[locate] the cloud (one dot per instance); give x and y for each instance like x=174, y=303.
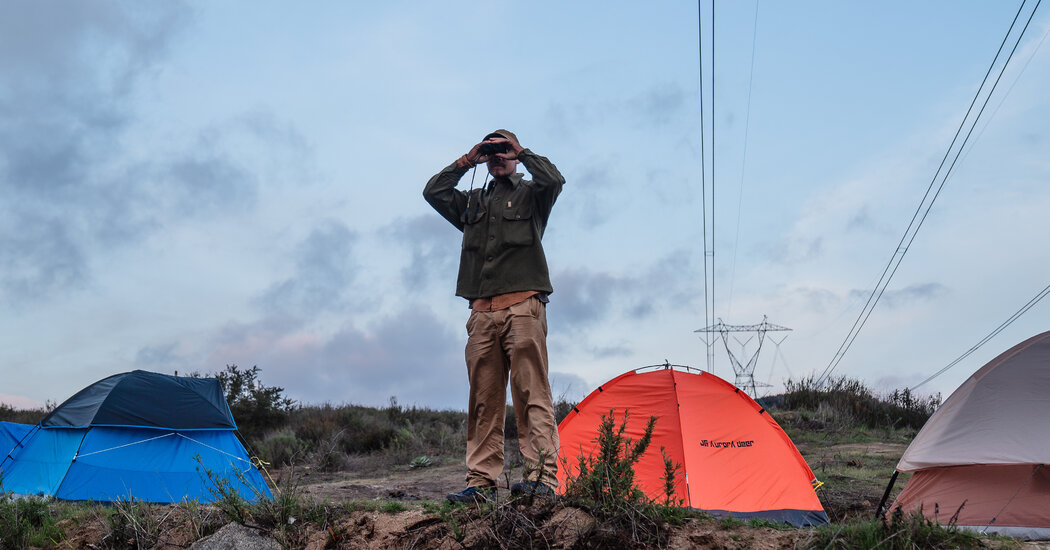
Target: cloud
x=863, y=220
x=410, y=355
x=610, y=352
x=81, y=176
x=38, y=254
x=66, y=74
x=433, y=245
x=660, y=106
x=323, y=273
x=796, y=250
x=655, y=106
x=589, y=182
x=568, y=387
x=817, y=300
x=906, y=296
x=586, y=298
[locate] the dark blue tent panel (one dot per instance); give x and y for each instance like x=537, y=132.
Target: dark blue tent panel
x=147, y=399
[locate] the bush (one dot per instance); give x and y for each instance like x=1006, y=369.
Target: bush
x=283, y=433
x=848, y=403
x=257, y=408
x=327, y=436
x=603, y=484
x=26, y=522
x=899, y=532
x=24, y=416
x=281, y=448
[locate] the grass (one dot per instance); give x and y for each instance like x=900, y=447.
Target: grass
x=900, y=532
x=851, y=437
x=26, y=522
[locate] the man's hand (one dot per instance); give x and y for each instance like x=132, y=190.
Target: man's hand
x=474, y=156
x=513, y=147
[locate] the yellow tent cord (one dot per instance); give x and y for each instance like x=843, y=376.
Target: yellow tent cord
x=261, y=465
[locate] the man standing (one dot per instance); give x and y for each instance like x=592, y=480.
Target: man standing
x=503, y=274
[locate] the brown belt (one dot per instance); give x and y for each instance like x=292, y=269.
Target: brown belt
x=501, y=301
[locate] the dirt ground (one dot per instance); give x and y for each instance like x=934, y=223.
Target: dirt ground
x=550, y=525
x=402, y=484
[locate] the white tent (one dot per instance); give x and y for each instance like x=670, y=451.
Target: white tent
x=984, y=456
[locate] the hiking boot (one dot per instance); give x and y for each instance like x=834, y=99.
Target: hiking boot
x=531, y=488
x=472, y=495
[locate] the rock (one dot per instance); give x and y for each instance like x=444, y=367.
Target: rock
x=234, y=536
x=317, y=540
x=569, y=525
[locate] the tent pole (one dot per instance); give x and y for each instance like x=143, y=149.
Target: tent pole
x=886, y=495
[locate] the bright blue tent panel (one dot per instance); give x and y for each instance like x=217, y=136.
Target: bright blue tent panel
x=10, y=436
x=38, y=466
x=115, y=463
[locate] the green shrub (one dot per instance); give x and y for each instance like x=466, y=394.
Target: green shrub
x=603, y=483
x=562, y=408
x=257, y=408
x=394, y=434
x=283, y=433
x=899, y=532
x=26, y=522
x=24, y=416
x=281, y=449
x=847, y=403
x=134, y=524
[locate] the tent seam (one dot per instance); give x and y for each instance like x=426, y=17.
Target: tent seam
x=678, y=414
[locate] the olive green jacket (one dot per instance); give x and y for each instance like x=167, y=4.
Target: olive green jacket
x=502, y=226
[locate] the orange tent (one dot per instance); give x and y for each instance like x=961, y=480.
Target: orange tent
x=735, y=459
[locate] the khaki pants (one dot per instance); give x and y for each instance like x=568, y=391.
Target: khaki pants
x=509, y=344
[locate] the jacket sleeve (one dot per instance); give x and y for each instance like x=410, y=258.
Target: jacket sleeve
x=441, y=193
x=546, y=179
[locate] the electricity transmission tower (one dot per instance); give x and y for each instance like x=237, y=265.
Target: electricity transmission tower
x=744, y=370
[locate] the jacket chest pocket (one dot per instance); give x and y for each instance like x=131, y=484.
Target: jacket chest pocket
x=517, y=223
x=474, y=228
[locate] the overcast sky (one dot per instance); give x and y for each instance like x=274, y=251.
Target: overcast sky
x=189, y=185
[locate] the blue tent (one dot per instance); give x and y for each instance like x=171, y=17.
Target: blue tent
x=11, y=434
x=141, y=435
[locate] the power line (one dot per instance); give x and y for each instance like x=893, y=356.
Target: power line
x=714, y=124
x=1006, y=94
x=743, y=160
x=902, y=249
x=1031, y=303
x=708, y=319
